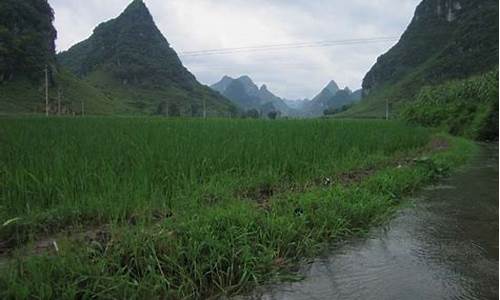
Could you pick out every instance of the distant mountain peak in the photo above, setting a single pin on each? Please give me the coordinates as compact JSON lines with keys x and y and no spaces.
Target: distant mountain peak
{"x":136,"y":4}
{"x":223,"y":84}
{"x":137,"y":9}
{"x":132,"y":50}
{"x":331,"y":97}
{"x":250,"y":87}
{"x":247,"y":95}
{"x":245,"y":79}
{"x":131,"y":53}
{"x":332,"y":87}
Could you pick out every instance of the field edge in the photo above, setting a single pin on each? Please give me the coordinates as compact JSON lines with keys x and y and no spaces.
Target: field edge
{"x":248,"y":245}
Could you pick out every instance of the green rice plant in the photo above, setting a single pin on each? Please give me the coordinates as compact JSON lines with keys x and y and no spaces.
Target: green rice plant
{"x":222,"y":249}
{"x":59,"y":172}
{"x":190,"y":209}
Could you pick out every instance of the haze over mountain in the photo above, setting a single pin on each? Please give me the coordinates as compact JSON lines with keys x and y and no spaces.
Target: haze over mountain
{"x":447,"y":39}
{"x":127,"y":65}
{"x":244,"y":93}
{"x":247,"y":95}
{"x":328,"y":92}
{"x":131,"y":61}
{"x":192,"y":25}
{"x":330,"y":97}
{"x":296,"y":104}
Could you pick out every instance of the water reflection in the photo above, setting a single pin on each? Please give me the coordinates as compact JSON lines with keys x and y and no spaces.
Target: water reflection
{"x":444,"y":246}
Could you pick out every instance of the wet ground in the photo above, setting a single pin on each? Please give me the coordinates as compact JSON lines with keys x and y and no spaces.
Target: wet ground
{"x":443,"y":245}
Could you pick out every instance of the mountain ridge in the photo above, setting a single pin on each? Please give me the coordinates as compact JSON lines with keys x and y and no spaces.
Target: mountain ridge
{"x":331,"y":97}
{"x":129,"y":59}
{"x":445,"y":40}
{"x":244,"y":93}
{"x":27,"y":52}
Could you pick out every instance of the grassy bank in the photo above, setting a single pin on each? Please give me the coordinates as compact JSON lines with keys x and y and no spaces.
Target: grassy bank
{"x":152,"y":208}
{"x":464,"y":107}
{"x":25,"y":96}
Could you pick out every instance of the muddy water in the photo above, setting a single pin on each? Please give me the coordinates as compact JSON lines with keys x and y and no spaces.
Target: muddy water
{"x":444,"y":245}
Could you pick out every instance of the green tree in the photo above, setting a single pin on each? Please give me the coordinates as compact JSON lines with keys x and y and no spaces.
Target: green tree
{"x":252,"y":114}
{"x":27,"y":38}
{"x":463,"y":107}
{"x":272,"y":115}
{"x":174,"y":110}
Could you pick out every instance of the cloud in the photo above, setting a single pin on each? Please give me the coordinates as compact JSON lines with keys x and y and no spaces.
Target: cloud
{"x":212,"y":24}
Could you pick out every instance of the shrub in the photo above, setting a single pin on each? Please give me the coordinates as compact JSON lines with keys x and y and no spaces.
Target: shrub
{"x":467,"y":107}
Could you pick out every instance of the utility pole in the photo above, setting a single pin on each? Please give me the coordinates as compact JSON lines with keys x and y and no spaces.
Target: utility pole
{"x":47,"y":90}
{"x":59,"y":101}
{"x":387,"y":109}
{"x":204,"y":108}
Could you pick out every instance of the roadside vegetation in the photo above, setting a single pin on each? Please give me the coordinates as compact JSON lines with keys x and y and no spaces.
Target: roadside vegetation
{"x":466,"y":107}
{"x":186,"y":209}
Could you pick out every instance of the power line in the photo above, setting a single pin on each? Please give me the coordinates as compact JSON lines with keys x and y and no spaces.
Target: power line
{"x":274,"y":49}
{"x":265,"y":48}
{"x":292,"y":44}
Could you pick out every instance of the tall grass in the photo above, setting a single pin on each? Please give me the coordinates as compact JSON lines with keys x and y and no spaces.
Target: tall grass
{"x":111,"y":168}
{"x":462,"y":107}
{"x":194,"y":208}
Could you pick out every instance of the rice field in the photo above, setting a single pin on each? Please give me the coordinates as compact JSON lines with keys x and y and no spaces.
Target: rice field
{"x":111,"y":168}
{"x":188,"y":209}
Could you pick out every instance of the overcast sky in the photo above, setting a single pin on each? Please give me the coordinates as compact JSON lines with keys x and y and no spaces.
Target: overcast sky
{"x":191,"y":25}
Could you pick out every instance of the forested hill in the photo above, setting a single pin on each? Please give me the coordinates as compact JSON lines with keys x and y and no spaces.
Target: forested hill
{"x":27,"y":47}
{"x":447,"y":39}
{"x":26,"y":39}
{"x":131,"y":49}
{"x":130,"y":60}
